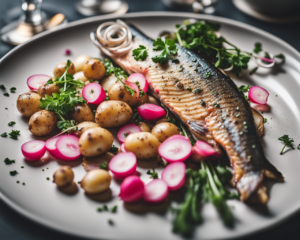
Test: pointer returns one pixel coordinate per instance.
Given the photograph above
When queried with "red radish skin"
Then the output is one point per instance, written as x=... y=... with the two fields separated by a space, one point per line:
x=156 y=191
x=175 y=149
x=35 y=81
x=135 y=88
x=150 y=112
x=132 y=189
x=33 y=150
x=204 y=150
x=178 y=136
x=67 y=148
x=93 y=93
x=126 y=130
x=123 y=165
x=123 y=147
x=137 y=77
x=174 y=175
x=50 y=146
x=258 y=95
x=195 y=156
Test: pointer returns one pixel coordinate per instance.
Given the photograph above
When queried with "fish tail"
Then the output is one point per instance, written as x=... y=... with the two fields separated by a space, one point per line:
x=270 y=171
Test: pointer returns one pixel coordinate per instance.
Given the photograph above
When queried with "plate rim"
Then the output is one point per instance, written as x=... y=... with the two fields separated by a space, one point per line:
x=57 y=227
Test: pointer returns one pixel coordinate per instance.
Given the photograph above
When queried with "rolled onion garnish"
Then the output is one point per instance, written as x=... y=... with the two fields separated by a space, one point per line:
x=113 y=38
x=262 y=61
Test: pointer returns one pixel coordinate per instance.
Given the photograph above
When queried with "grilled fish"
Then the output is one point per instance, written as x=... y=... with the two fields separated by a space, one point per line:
x=209 y=103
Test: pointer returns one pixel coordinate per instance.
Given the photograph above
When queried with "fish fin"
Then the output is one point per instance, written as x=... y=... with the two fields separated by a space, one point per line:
x=270 y=171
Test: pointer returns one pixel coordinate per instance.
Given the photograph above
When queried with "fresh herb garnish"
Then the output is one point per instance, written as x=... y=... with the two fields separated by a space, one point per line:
x=6 y=94
x=280 y=56
x=104 y=165
x=13 y=173
x=189 y=89
x=298 y=147
x=105 y=208
x=257 y=48
x=207 y=74
x=140 y=54
x=253 y=70
x=99 y=209
x=265 y=120
x=111 y=222
x=114 y=209
x=136 y=116
x=66 y=125
x=153 y=174
x=11 y=123
x=197 y=90
x=106 y=94
x=168 y=48
x=14 y=134
x=48 y=178
x=113 y=148
x=2 y=87
x=4 y=134
x=8 y=161
x=126 y=134
x=13 y=89
x=287 y=142
x=244 y=89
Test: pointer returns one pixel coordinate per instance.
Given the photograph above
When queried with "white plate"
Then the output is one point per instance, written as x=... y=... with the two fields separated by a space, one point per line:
x=40 y=200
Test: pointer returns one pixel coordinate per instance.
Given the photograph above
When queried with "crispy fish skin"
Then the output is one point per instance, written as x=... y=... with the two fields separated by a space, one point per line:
x=217 y=114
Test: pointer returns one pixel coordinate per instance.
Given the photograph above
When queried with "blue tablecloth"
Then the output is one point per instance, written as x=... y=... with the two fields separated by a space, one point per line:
x=13 y=226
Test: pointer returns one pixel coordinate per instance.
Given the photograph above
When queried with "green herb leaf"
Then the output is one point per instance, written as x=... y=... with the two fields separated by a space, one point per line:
x=105 y=208
x=13 y=173
x=140 y=54
x=114 y=148
x=104 y=165
x=6 y=94
x=298 y=147
x=244 y=88
x=2 y=87
x=257 y=48
x=14 y=134
x=265 y=120
x=13 y=89
x=207 y=74
x=114 y=209
x=4 y=134
x=136 y=116
x=110 y=222
x=287 y=142
x=8 y=161
x=168 y=47
x=253 y=70
x=153 y=174
x=11 y=123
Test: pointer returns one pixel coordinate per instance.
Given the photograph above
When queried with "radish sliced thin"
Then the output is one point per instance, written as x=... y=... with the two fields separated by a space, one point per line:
x=150 y=112
x=93 y=93
x=50 y=146
x=35 y=81
x=258 y=95
x=135 y=88
x=142 y=81
x=174 y=175
x=123 y=164
x=132 y=189
x=204 y=150
x=156 y=191
x=178 y=136
x=33 y=150
x=126 y=130
x=67 y=148
x=122 y=147
x=175 y=149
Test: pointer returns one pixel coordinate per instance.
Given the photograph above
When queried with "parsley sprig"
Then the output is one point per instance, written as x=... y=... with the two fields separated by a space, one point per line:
x=140 y=54
x=288 y=142
x=244 y=89
x=153 y=174
x=168 y=48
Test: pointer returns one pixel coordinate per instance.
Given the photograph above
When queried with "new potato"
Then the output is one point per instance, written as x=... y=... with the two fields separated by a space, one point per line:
x=28 y=103
x=113 y=113
x=144 y=127
x=82 y=113
x=61 y=68
x=118 y=92
x=63 y=176
x=82 y=127
x=164 y=130
x=80 y=61
x=96 y=181
x=143 y=144
x=94 y=69
x=95 y=141
x=42 y=123
x=48 y=89
x=80 y=76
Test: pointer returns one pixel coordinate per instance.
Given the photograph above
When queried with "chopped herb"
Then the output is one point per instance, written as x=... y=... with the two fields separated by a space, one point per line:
x=11 y=123
x=23 y=184
x=2 y=87
x=244 y=88
x=13 y=173
x=253 y=70
x=22 y=166
x=189 y=89
x=99 y=209
x=213 y=92
x=48 y=178
x=113 y=148
x=91 y=80
x=13 y=89
x=265 y=120
x=281 y=56
x=107 y=97
x=110 y=222
x=8 y=161
x=18 y=182
x=180 y=69
x=152 y=174
x=142 y=93
x=6 y=94
x=207 y=74
x=140 y=54
x=257 y=48
x=6 y=108
x=197 y=90
x=175 y=60
x=105 y=208
x=167 y=47
x=136 y=116
x=126 y=134
x=104 y=165
x=179 y=99
x=298 y=147
x=287 y=142
x=4 y=134
x=14 y=134
x=114 y=209
x=43 y=170
x=162 y=163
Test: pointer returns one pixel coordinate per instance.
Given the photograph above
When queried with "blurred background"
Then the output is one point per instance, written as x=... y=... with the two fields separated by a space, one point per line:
x=22 y=19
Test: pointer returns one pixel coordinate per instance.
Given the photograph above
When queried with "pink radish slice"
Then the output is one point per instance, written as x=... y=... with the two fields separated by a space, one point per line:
x=258 y=95
x=175 y=149
x=156 y=191
x=195 y=156
x=132 y=189
x=93 y=93
x=67 y=148
x=135 y=88
x=123 y=147
x=50 y=146
x=178 y=136
x=150 y=112
x=126 y=130
x=35 y=81
x=174 y=175
x=137 y=77
x=204 y=150
x=123 y=164
x=33 y=150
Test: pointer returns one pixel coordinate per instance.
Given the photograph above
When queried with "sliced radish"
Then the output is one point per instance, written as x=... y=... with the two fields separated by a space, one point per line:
x=156 y=191
x=50 y=146
x=140 y=79
x=93 y=93
x=178 y=136
x=195 y=156
x=132 y=189
x=67 y=148
x=33 y=150
x=135 y=88
x=149 y=111
x=123 y=147
x=175 y=149
x=123 y=164
x=126 y=130
x=258 y=95
x=35 y=81
x=174 y=175
x=204 y=150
